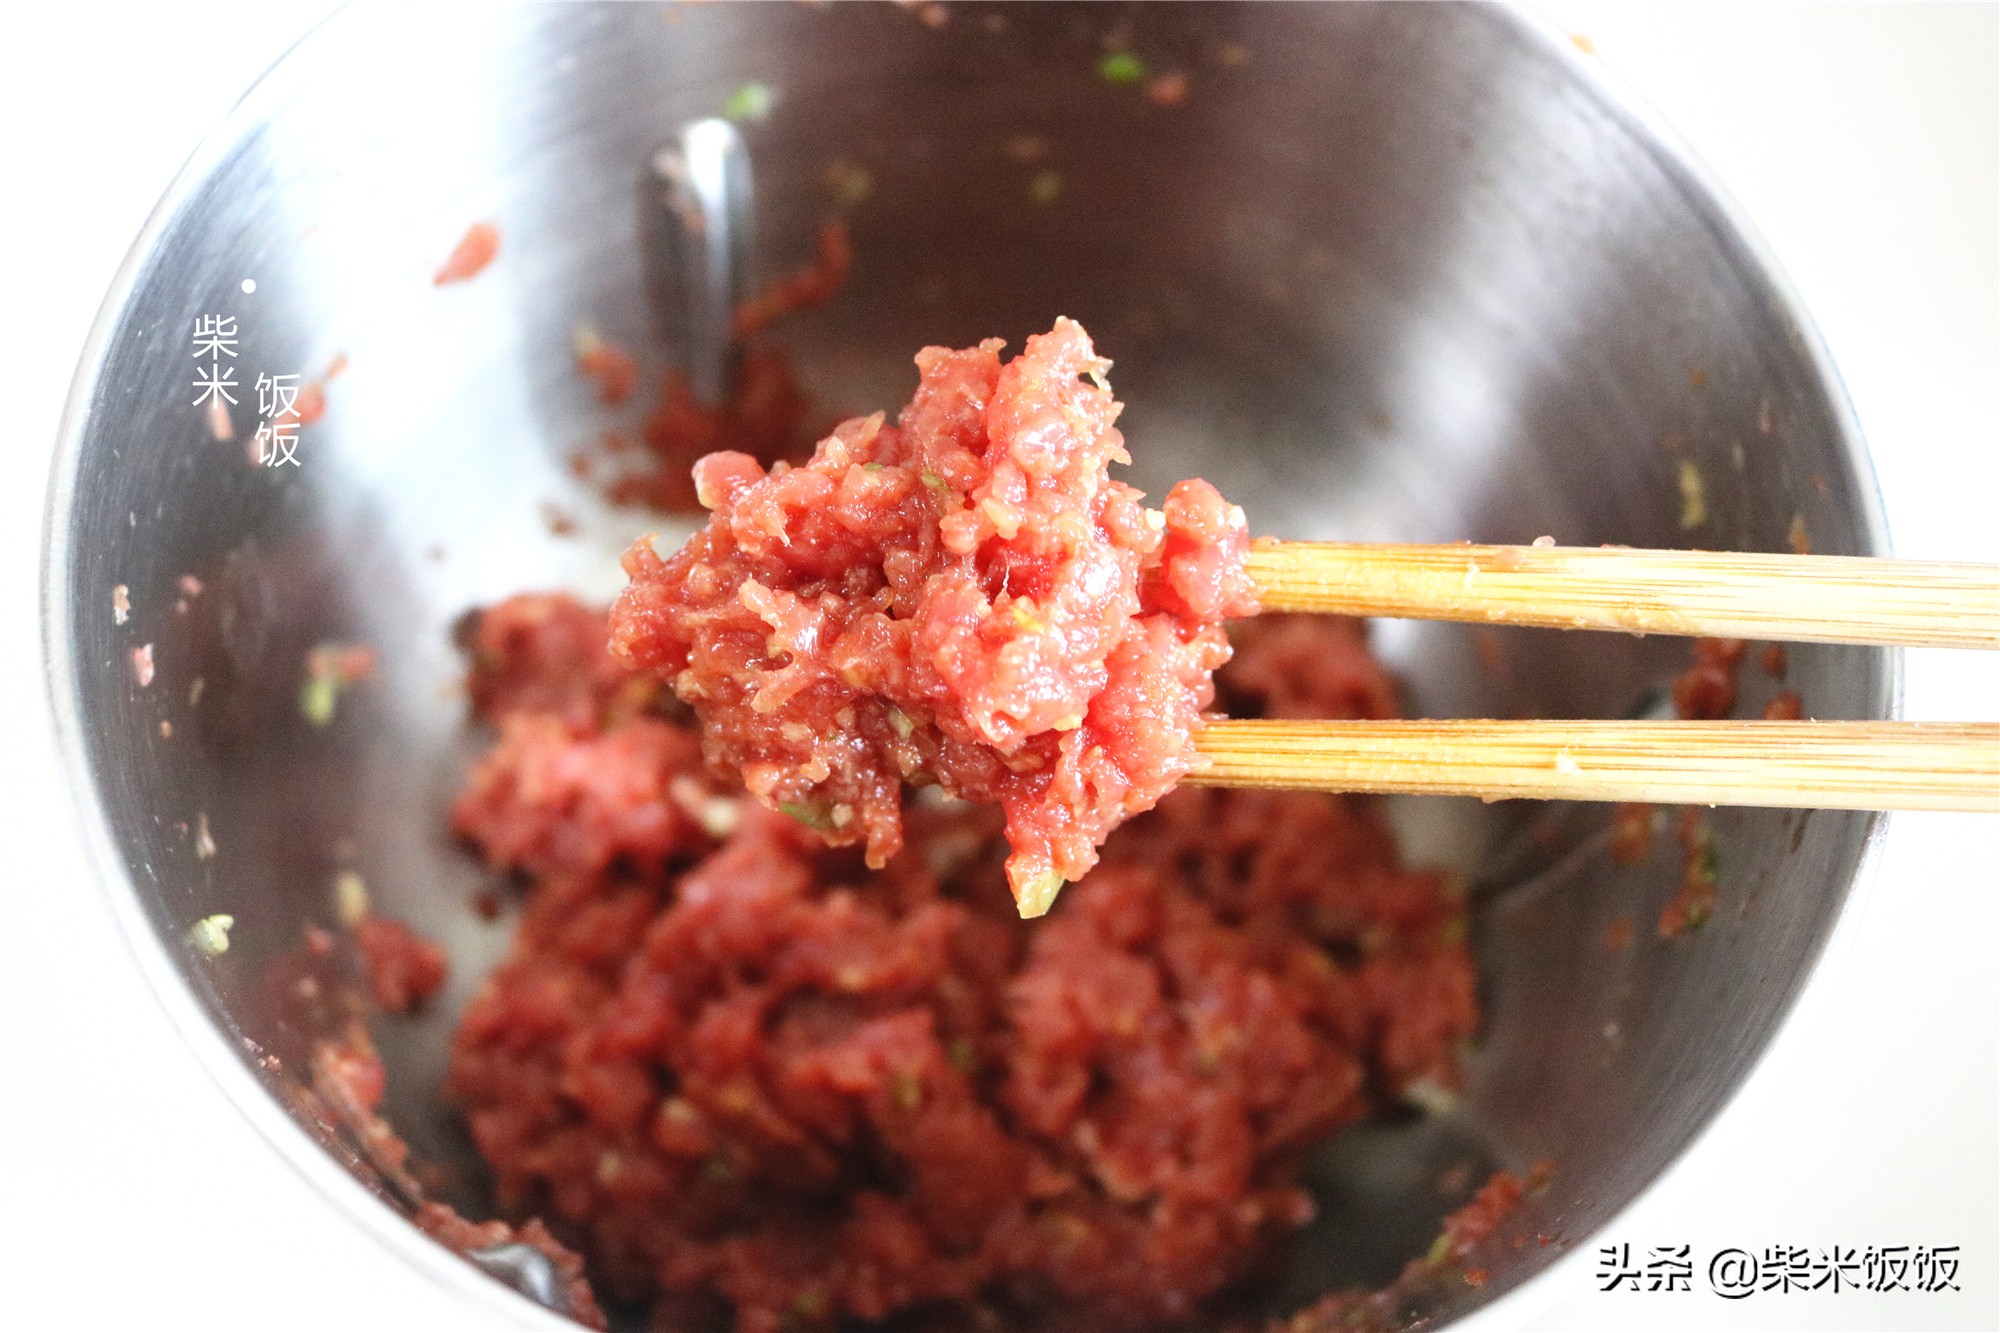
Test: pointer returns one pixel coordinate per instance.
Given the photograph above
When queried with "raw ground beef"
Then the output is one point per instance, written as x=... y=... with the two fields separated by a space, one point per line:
x=964 y=599
x=765 y=413
x=469 y=258
x=755 y=1082
x=443 y=1224
x=1707 y=689
x=345 y=1099
x=765 y=416
x=1399 y=1305
x=404 y=969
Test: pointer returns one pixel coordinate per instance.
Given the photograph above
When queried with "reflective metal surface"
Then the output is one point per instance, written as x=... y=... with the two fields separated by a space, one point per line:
x=697 y=231
x=1399 y=272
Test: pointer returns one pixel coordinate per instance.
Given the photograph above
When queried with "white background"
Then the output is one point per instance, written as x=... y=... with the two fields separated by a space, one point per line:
x=1862 y=140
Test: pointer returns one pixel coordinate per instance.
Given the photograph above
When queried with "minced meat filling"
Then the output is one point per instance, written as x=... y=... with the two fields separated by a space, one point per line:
x=962 y=599
x=752 y=1080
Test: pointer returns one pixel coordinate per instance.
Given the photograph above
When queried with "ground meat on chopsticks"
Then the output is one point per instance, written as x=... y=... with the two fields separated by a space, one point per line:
x=754 y=1081
x=965 y=599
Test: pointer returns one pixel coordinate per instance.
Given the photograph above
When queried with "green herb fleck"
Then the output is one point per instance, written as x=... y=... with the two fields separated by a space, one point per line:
x=1024 y=618
x=1046 y=187
x=936 y=483
x=752 y=102
x=211 y=934
x=1431 y=1097
x=1038 y=895
x=871 y=467
x=1694 y=497
x=317 y=699
x=350 y=898
x=1121 y=67
x=810 y=816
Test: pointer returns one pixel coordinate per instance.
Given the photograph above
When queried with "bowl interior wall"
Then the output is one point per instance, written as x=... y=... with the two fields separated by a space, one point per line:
x=1397 y=272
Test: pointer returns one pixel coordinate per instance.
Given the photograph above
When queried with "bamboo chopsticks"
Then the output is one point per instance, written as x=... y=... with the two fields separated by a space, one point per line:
x=1816 y=765
x=1720 y=594
x=1826 y=599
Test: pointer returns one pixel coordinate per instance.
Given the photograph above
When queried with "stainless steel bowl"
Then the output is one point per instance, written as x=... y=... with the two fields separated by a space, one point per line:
x=1388 y=272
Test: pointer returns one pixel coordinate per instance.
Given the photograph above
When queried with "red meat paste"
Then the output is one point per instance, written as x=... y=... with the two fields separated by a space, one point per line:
x=765 y=413
x=1707 y=689
x=443 y=1224
x=348 y=1083
x=964 y=599
x=608 y=365
x=752 y=1080
x=404 y=968
x=468 y=259
x=815 y=283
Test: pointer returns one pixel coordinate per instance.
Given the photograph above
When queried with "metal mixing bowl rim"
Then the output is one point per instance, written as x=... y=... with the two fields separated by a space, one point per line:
x=218 y=1054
